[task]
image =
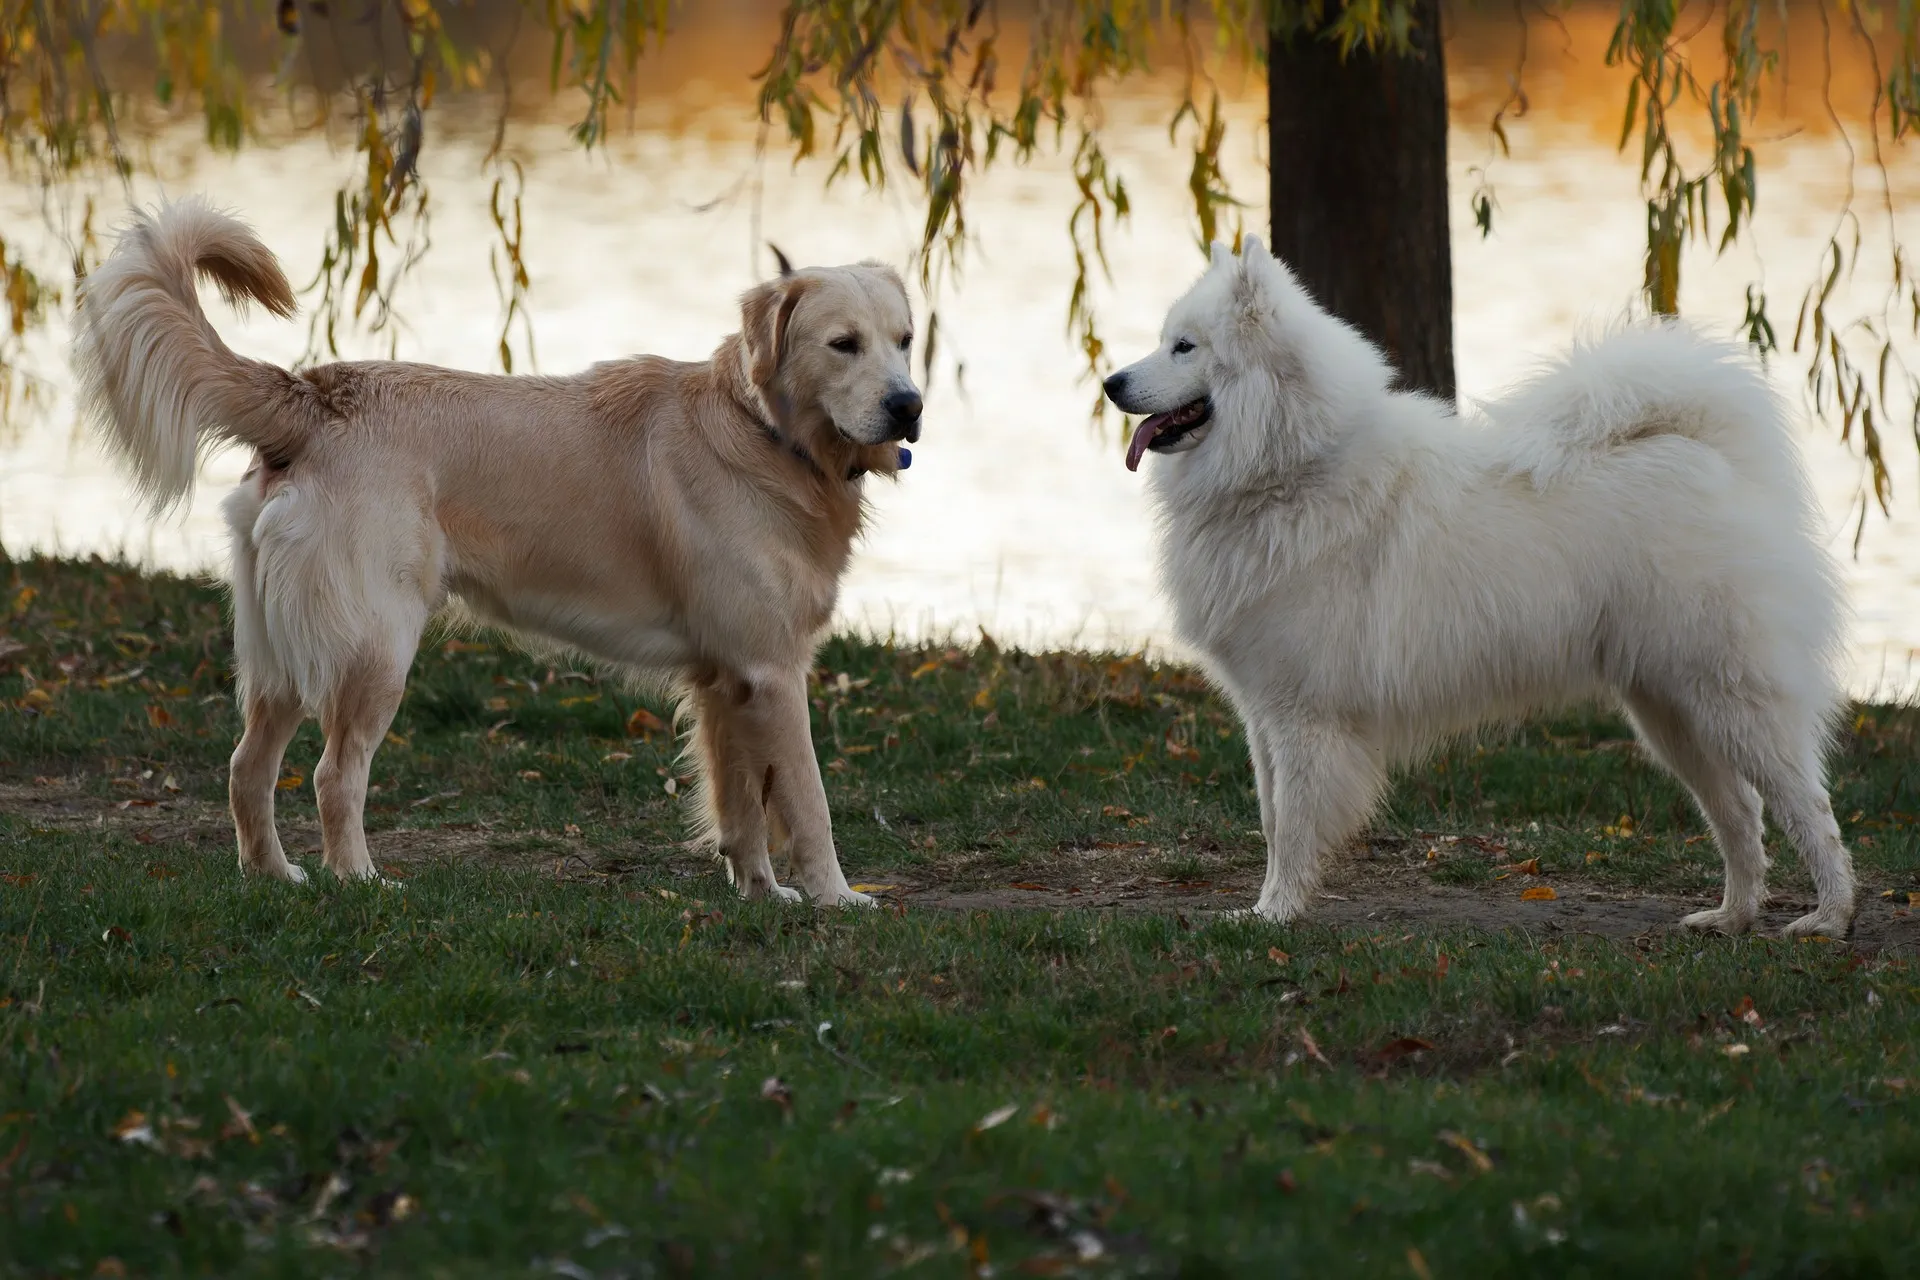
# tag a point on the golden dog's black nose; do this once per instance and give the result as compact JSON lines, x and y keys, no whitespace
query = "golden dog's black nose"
{"x":903,"y":410}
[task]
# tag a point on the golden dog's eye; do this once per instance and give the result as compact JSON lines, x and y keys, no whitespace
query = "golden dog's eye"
{"x":849,"y":345}
{"x":1181,"y":347}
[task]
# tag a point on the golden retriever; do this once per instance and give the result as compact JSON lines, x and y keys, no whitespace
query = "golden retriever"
{"x":691,"y":520}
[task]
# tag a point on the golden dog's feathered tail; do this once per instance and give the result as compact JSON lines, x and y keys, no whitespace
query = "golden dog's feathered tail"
{"x":155,"y":377}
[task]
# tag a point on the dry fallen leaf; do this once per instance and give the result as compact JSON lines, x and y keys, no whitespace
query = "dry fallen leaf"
{"x":1395,"y":1049}
{"x":1539,"y":893}
{"x":1418,"y":1264}
{"x":775,"y":1090}
{"x":873,"y":888}
{"x":643,"y":722}
{"x":242,"y":1122}
{"x":1469,"y":1148}
{"x":995,"y":1118}
{"x":1312,"y":1047}
{"x":134,"y":1128}
{"x":1278,"y":956}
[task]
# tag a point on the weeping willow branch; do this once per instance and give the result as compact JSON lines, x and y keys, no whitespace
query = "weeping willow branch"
{"x":928,"y":95}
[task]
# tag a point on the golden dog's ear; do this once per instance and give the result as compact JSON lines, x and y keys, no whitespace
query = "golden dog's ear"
{"x":764,"y":315}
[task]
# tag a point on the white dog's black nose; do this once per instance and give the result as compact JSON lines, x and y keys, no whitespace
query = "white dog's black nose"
{"x":1115,"y":387}
{"x":903,"y":410}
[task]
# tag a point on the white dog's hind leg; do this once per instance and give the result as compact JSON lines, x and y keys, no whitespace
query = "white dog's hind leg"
{"x":1802,"y":809}
{"x":253,"y":775}
{"x":1729,"y":803}
{"x":1321,"y":785}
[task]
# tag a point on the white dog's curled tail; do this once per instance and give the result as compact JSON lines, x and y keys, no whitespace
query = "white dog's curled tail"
{"x":1664,"y":379}
{"x":155,"y":377}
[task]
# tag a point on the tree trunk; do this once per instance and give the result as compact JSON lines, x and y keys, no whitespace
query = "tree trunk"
{"x":1359,"y":187}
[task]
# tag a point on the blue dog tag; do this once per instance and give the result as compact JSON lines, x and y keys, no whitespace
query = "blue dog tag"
{"x":906,"y":457}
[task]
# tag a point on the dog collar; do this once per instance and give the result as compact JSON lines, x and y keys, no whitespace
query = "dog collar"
{"x":799,"y":451}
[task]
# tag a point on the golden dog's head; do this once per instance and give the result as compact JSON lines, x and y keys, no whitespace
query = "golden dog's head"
{"x":828,"y":350}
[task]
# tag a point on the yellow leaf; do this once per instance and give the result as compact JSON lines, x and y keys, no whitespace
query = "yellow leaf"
{"x":1539,"y":893}
{"x":873,"y":888}
{"x":1469,"y":1148}
{"x":291,"y":782}
{"x":931,"y":665}
{"x":158,"y":716}
{"x":643,"y":721}
{"x":23,"y":599}
{"x":1418,"y":1264}
{"x":984,"y":698}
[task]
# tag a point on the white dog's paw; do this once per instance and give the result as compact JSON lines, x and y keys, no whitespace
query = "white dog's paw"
{"x":1279,"y":909}
{"x":1722,"y":919}
{"x":285,"y":871}
{"x":1263,"y":913}
{"x":781,"y":893}
{"x":1827,"y":922}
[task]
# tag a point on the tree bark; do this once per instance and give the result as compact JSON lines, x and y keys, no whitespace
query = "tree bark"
{"x":1359,"y":188}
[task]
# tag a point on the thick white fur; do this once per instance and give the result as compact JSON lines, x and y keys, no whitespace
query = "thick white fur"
{"x":1368,"y":574}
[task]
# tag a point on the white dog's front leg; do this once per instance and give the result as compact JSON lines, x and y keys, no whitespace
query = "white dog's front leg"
{"x":1320,"y":785}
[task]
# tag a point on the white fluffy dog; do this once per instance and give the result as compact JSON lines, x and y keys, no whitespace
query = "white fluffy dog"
{"x":1367,"y":574}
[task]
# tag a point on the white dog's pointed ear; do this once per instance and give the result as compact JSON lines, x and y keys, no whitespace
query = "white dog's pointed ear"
{"x":1253,"y":253}
{"x":1222,"y":254}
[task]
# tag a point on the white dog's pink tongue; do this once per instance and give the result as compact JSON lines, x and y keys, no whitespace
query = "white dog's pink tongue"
{"x":1143,"y":436}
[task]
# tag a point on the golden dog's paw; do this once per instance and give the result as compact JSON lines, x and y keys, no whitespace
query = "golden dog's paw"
{"x":839,"y":895}
{"x":284,"y":870}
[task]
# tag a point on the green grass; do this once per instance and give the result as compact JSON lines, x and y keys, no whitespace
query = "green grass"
{"x":562,"y":1047}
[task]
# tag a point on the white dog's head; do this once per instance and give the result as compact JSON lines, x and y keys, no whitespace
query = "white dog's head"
{"x":1246,"y":354}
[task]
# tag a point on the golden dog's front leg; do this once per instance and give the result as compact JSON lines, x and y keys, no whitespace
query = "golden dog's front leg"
{"x":735,"y":779}
{"x":775,"y":713}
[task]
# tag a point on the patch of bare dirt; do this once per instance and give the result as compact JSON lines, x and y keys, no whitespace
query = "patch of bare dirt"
{"x":1369,"y":889}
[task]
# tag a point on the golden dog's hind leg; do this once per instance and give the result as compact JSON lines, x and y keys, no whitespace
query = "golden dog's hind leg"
{"x":355,"y":720}
{"x":734,"y":780}
{"x":271,"y":722}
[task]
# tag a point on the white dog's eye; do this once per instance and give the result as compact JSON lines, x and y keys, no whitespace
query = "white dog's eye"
{"x":849,"y":345}
{"x":906,"y":343}
{"x":1181,"y":347}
